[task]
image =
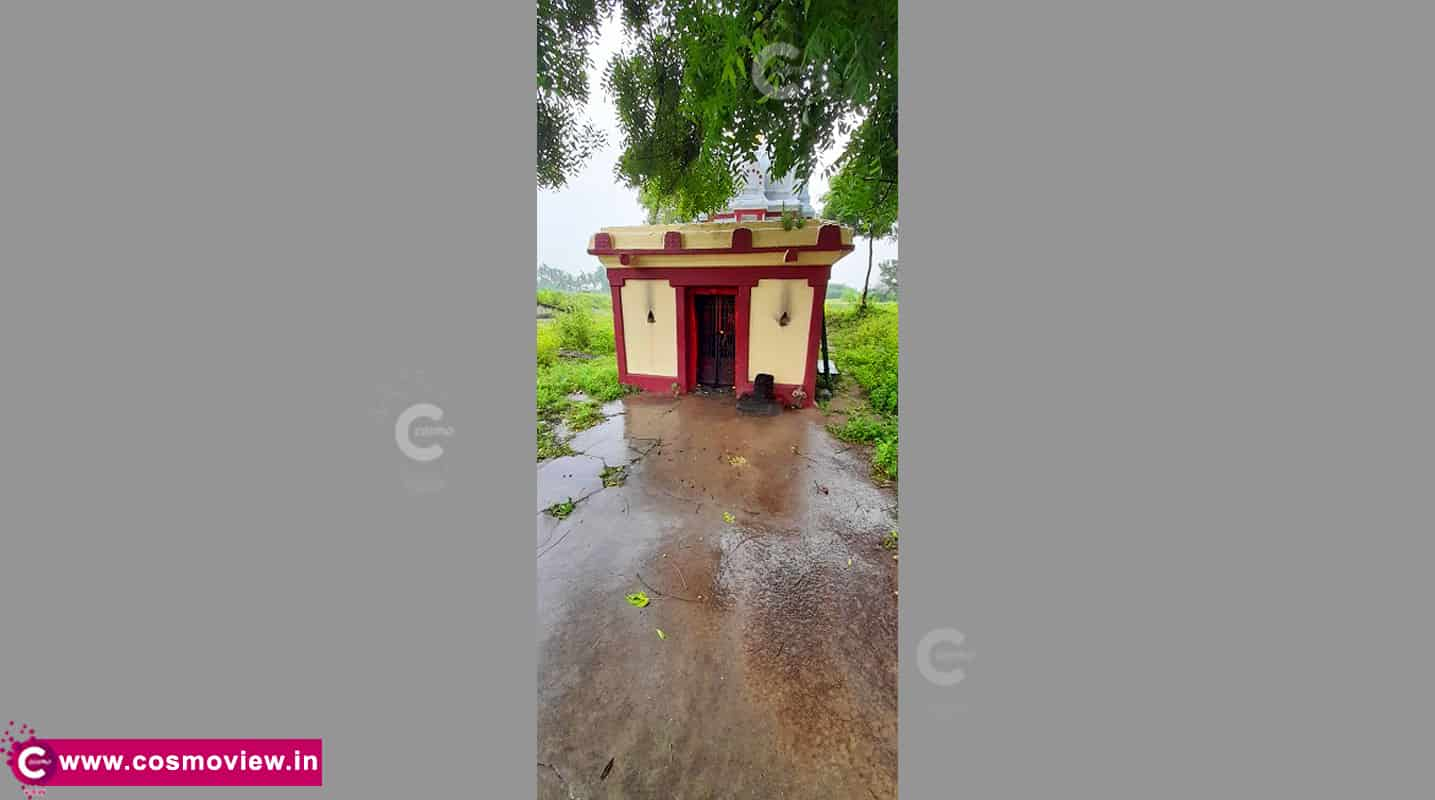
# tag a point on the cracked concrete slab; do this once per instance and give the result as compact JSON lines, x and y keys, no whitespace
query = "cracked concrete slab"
{"x":568,"y":477}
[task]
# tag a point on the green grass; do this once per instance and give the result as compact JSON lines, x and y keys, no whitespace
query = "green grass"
{"x":549,"y":445}
{"x":582,"y":416}
{"x":588,"y":301}
{"x":575,"y":355}
{"x":575,"y":331}
{"x":595,"y":377}
{"x":561,"y":510}
{"x":614,"y":476}
{"x":864,"y":345}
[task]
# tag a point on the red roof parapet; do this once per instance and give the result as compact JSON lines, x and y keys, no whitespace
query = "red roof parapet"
{"x":742,"y":239}
{"x":829,"y":238}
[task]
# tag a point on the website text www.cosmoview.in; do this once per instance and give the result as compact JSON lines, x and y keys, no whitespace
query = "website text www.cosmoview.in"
{"x":168,"y":762}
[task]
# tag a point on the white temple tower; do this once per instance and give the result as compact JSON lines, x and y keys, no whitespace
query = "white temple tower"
{"x":763,"y":197}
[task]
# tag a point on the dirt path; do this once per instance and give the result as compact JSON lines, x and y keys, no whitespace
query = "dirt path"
{"x":778,"y":674}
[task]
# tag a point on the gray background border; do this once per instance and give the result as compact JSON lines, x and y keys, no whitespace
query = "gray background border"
{"x":1166,"y":398}
{"x":238,"y":240}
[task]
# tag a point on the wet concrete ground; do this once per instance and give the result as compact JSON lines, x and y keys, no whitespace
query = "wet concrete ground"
{"x":778,"y":674}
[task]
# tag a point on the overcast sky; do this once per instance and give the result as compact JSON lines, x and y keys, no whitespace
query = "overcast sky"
{"x":593,"y":199}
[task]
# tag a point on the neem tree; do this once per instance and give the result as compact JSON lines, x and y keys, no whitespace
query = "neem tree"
{"x":699,"y":84}
{"x":862,"y":197}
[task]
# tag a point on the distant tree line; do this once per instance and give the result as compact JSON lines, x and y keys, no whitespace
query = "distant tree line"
{"x":884,"y":291}
{"x":562,"y":280}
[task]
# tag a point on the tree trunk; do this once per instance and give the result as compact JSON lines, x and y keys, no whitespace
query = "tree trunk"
{"x":867,"y":279}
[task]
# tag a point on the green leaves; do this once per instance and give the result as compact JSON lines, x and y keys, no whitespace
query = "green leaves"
{"x":566,"y":31}
{"x":689,"y":111}
{"x":561,"y":510}
{"x":861,"y":195}
{"x":867,"y":341}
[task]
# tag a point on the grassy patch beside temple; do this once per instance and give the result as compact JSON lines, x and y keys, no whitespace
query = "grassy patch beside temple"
{"x":549,"y":445}
{"x":577,"y":368}
{"x":864,"y":346}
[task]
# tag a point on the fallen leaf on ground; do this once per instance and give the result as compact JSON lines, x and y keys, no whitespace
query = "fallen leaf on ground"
{"x":728,"y":517}
{"x":661,"y":635}
{"x":637,"y":599}
{"x":849,"y":562}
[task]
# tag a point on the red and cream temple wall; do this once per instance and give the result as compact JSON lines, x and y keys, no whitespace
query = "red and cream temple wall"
{"x":769,"y":270}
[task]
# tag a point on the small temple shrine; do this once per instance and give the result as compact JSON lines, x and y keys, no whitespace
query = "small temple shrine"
{"x":733,"y":301}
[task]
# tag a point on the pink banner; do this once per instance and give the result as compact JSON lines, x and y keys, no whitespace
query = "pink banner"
{"x":168,"y":762}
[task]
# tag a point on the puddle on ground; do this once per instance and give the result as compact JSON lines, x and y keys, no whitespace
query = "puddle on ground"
{"x":777,"y":673}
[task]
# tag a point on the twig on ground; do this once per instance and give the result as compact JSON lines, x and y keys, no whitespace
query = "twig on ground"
{"x":549,"y":548}
{"x":566,"y":787}
{"x":681,"y":575}
{"x":662,"y":594}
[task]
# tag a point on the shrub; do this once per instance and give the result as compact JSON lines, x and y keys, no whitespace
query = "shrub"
{"x":583,"y":331}
{"x":553,"y":299}
{"x":547,"y":344}
{"x":884,"y":458}
{"x":865,"y":429}
{"x":864,"y":342}
{"x":603,"y":341}
{"x":575,"y":330}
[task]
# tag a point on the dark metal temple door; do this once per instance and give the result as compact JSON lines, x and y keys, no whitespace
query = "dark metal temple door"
{"x":716,"y":339}
{"x":727,"y":304}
